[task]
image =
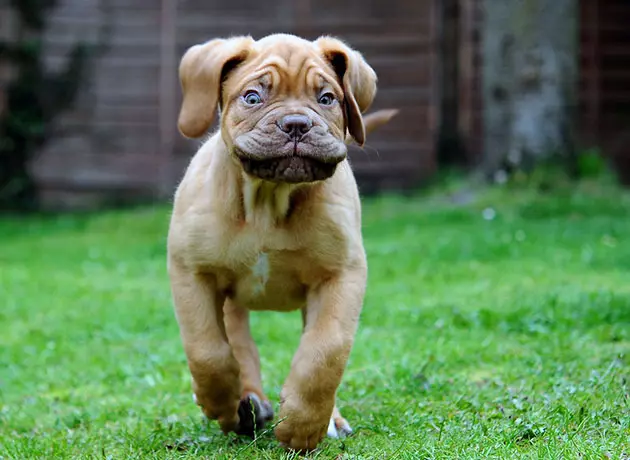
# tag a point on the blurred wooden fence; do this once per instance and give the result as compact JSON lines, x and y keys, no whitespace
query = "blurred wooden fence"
{"x":120,"y":141}
{"x":604,"y":87}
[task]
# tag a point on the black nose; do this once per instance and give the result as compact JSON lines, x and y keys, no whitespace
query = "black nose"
{"x":295,"y":125}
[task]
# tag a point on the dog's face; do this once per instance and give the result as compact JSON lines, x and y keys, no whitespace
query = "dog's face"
{"x":286,"y":103}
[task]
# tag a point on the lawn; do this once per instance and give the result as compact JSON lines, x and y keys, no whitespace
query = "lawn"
{"x":494,"y":328}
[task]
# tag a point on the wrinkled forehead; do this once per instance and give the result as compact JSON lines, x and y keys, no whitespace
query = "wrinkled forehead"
{"x":287,"y":64}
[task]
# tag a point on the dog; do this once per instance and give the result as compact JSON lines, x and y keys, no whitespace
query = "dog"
{"x":268,"y":217}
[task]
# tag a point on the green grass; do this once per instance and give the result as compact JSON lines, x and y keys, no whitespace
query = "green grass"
{"x":502,"y":338}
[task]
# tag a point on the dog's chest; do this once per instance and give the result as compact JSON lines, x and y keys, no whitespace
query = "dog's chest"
{"x":269,"y":282}
{"x":272,"y":278}
{"x":269,"y":268}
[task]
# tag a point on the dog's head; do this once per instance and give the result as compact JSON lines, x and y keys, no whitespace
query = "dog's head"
{"x":286,"y":103}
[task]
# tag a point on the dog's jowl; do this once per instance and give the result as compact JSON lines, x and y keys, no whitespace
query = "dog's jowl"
{"x":267,"y":217}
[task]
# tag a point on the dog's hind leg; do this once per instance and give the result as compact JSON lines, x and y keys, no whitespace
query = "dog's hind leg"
{"x":338,"y":427}
{"x":255,"y":410}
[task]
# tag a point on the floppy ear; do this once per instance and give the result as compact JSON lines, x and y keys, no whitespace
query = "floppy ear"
{"x":201,"y":72}
{"x":358,"y":80}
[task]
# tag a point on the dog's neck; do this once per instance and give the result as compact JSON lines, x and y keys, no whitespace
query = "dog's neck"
{"x":265,"y":203}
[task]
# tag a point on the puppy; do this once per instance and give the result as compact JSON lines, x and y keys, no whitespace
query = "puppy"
{"x":267,"y":217}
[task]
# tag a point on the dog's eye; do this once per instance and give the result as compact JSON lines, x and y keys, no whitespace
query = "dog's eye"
{"x":252,"y":98}
{"x":326,"y":99}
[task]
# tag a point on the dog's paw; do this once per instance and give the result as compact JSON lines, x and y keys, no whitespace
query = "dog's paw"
{"x":226,"y":414}
{"x":338,"y":427}
{"x":253,"y":415}
{"x":300,"y":429}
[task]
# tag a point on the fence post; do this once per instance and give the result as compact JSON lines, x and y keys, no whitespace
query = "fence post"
{"x":167,"y":96}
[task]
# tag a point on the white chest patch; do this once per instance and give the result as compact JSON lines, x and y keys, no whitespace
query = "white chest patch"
{"x":260,"y":271}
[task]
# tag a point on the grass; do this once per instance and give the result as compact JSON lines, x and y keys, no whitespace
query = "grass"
{"x":494,"y":329}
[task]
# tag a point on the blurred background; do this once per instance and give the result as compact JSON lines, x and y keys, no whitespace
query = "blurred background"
{"x":89,"y":92}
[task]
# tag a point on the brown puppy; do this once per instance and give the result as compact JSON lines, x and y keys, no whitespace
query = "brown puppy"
{"x":268,"y":217}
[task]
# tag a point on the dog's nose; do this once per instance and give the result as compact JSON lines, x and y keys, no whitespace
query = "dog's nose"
{"x":295,"y":125}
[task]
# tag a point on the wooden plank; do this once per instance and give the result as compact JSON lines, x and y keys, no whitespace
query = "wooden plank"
{"x":467,"y":48}
{"x":135,"y":5}
{"x":125,"y":114}
{"x":409,"y":145}
{"x":126,"y":38}
{"x":390,"y":11}
{"x":167,"y":93}
{"x":127,"y":139}
{"x":123,"y":96}
{"x":394,"y":39}
{"x":244,"y":8}
{"x":434,"y":58}
{"x":117,"y":137}
{"x":74,"y":18}
{"x":106,"y":168}
{"x":411,"y":123}
{"x":344,"y":30}
{"x":122,"y":60}
{"x":590,"y":20}
{"x":403,"y":73}
{"x":120,"y":78}
{"x":401,"y":168}
{"x":405,"y":97}
{"x":101,"y":113}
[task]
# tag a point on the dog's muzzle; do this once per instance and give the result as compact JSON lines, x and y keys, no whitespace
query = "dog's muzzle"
{"x":292,"y":152}
{"x":289,"y":169}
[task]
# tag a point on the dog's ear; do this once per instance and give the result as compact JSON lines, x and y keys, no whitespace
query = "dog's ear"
{"x":358,"y":80}
{"x":201,"y":73}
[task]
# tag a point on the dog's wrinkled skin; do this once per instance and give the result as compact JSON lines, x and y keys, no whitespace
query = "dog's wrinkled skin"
{"x":268,"y":217}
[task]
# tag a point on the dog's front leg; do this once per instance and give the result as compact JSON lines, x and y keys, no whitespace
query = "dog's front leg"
{"x":214,"y":370}
{"x":308,"y":395}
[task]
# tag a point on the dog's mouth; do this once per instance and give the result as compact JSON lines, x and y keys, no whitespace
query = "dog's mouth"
{"x":289,"y":169}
